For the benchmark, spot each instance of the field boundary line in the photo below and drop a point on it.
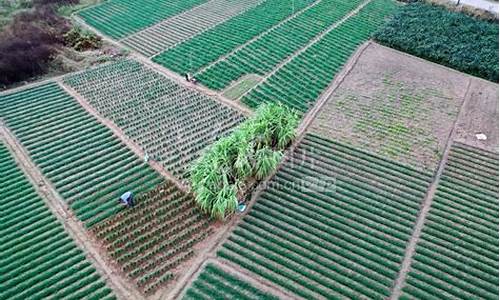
(60, 210)
(200, 88)
(138, 151)
(426, 206)
(311, 43)
(266, 32)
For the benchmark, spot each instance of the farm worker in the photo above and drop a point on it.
(127, 199)
(188, 77)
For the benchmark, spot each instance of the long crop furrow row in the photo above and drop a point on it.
(171, 123)
(79, 155)
(300, 82)
(150, 241)
(39, 259)
(170, 32)
(207, 47)
(120, 18)
(333, 222)
(457, 254)
(265, 53)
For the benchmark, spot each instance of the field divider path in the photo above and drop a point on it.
(210, 254)
(122, 137)
(61, 211)
(291, 17)
(311, 43)
(426, 205)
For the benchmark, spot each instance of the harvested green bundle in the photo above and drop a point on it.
(250, 153)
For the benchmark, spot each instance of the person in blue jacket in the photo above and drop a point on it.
(127, 199)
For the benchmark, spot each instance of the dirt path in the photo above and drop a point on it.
(72, 226)
(426, 205)
(309, 45)
(293, 16)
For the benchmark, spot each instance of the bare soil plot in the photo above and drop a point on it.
(480, 116)
(395, 105)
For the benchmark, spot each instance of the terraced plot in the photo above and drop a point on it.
(172, 123)
(179, 28)
(87, 165)
(205, 48)
(264, 54)
(398, 106)
(214, 283)
(457, 254)
(333, 223)
(39, 259)
(301, 81)
(119, 18)
(151, 240)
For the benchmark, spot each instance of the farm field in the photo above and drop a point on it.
(119, 18)
(267, 52)
(457, 253)
(301, 81)
(207, 47)
(453, 39)
(179, 28)
(149, 242)
(87, 165)
(39, 259)
(397, 106)
(172, 123)
(215, 283)
(317, 238)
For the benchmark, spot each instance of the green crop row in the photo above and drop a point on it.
(119, 18)
(264, 54)
(301, 81)
(457, 254)
(76, 153)
(39, 259)
(207, 47)
(214, 283)
(333, 222)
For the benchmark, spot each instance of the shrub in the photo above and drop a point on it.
(28, 43)
(453, 39)
(251, 152)
(82, 40)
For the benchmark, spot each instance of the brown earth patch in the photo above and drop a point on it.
(395, 105)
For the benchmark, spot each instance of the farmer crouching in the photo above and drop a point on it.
(127, 199)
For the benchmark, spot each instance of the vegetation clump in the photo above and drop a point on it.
(450, 38)
(250, 153)
(82, 40)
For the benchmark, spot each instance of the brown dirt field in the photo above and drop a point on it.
(480, 115)
(399, 106)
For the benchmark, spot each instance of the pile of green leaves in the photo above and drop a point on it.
(251, 152)
(453, 39)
